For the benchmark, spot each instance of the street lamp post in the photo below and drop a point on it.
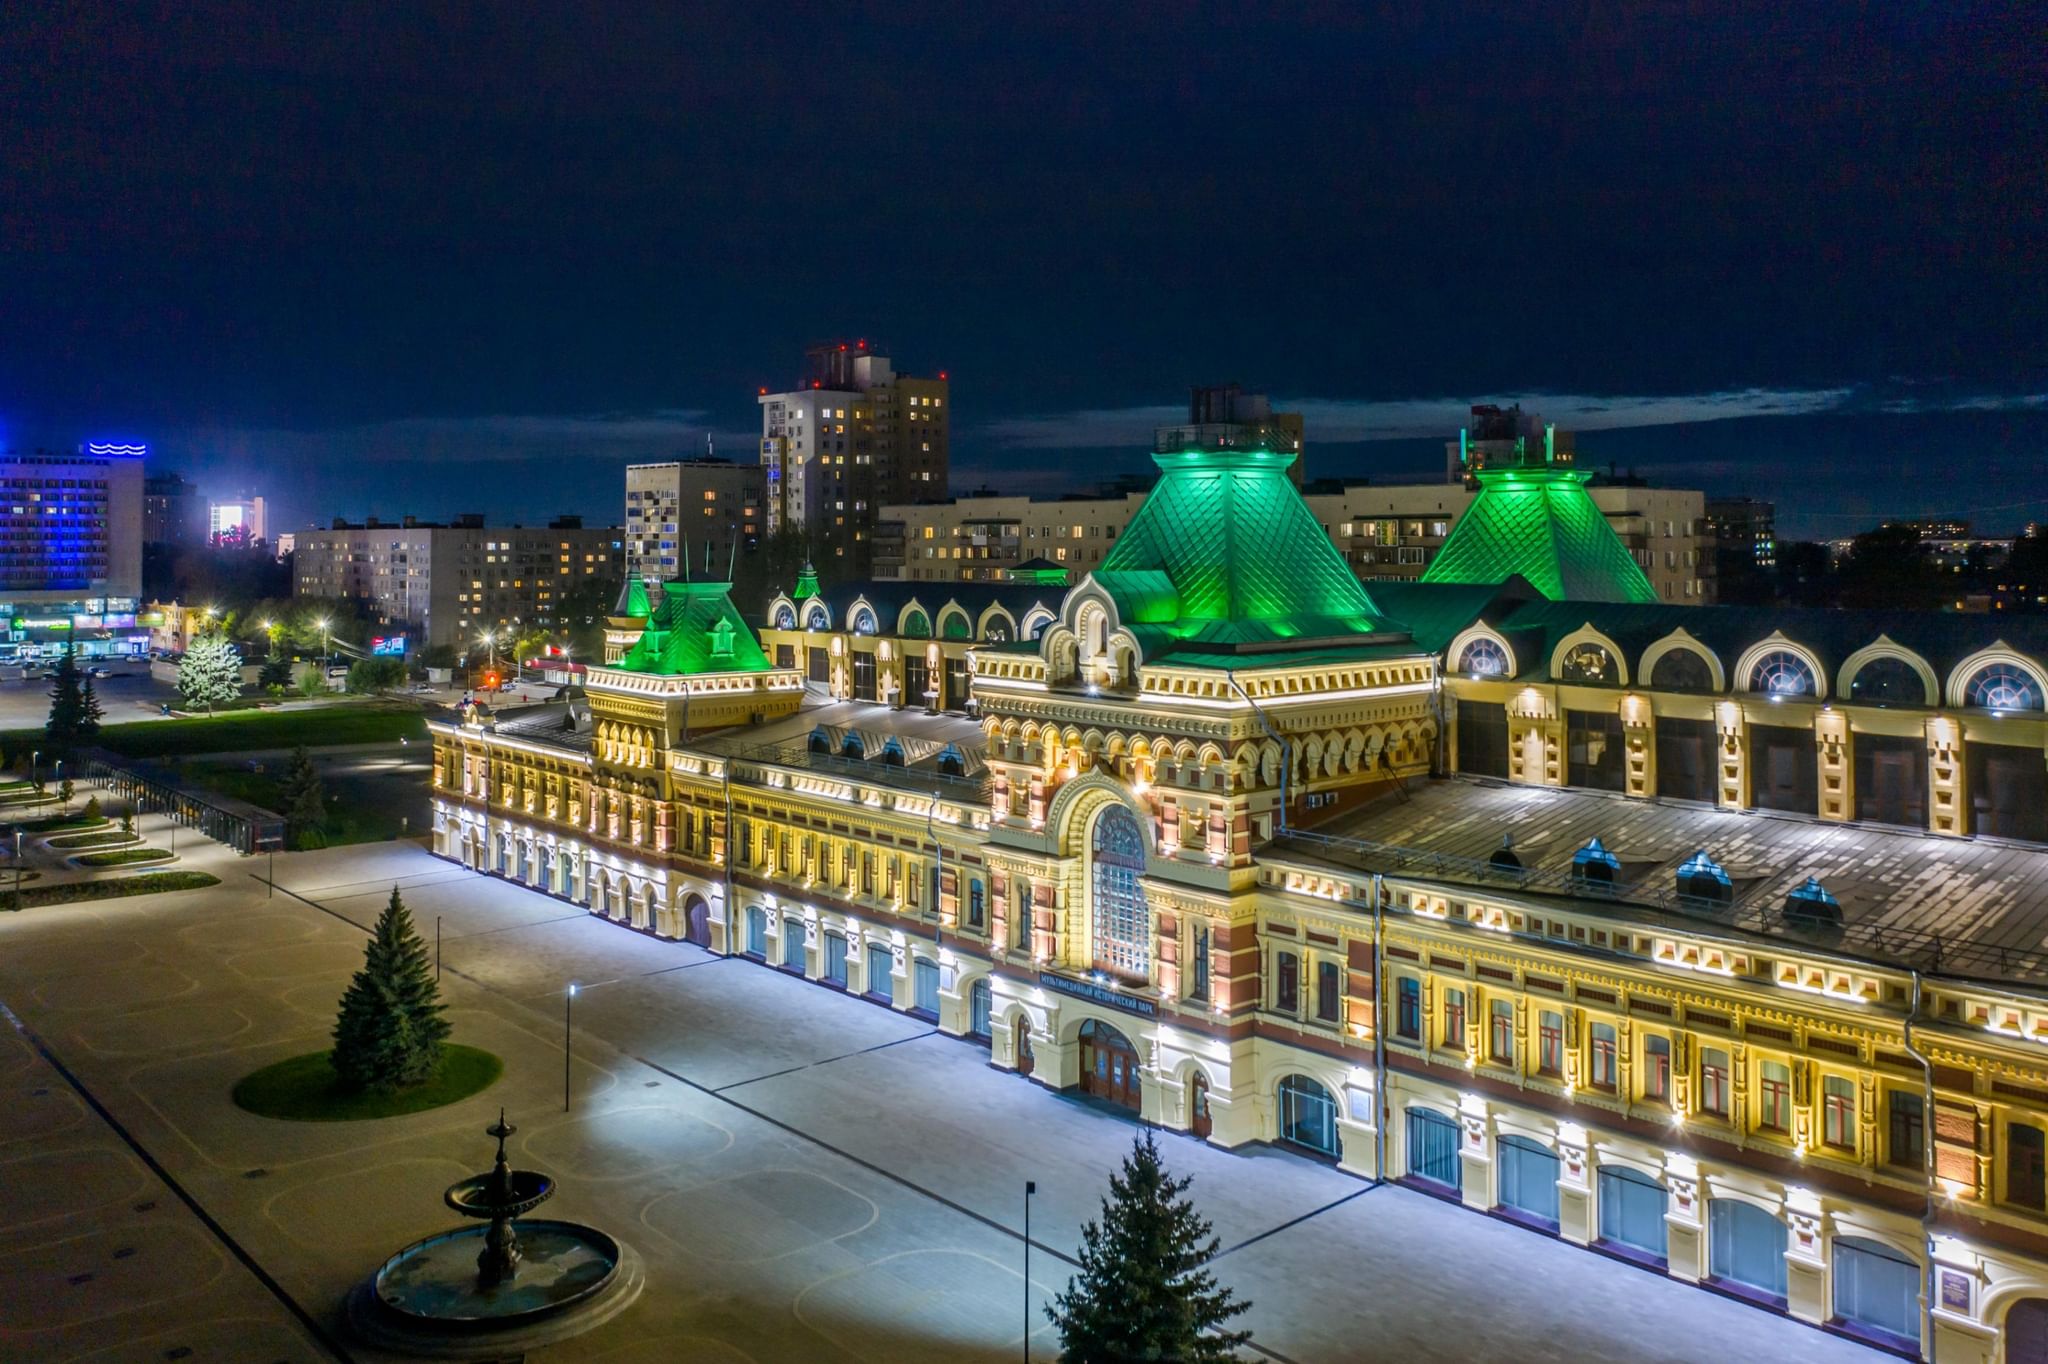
(1030, 1188)
(17, 869)
(568, 1002)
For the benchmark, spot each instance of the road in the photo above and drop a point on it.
(125, 697)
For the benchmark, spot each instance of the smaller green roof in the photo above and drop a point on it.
(806, 584)
(695, 629)
(1539, 522)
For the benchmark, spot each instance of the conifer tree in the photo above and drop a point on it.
(1142, 1293)
(276, 675)
(91, 712)
(211, 672)
(65, 727)
(305, 802)
(390, 1029)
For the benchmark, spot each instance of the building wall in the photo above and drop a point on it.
(1389, 532)
(688, 508)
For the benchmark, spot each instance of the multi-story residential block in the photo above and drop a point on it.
(238, 521)
(71, 553)
(1225, 417)
(445, 584)
(689, 513)
(173, 511)
(852, 435)
(1745, 529)
(1709, 937)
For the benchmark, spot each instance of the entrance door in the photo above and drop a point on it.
(1748, 1248)
(2026, 1332)
(1026, 1061)
(1433, 1149)
(1632, 1211)
(697, 921)
(757, 932)
(1198, 1105)
(1308, 1116)
(1528, 1180)
(1109, 1065)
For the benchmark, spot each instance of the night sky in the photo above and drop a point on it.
(371, 262)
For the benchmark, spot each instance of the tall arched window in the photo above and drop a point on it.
(2003, 687)
(1782, 673)
(785, 617)
(1121, 921)
(864, 622)
(1590, 663)
(917, 626)
(817, 616)
(1483, 658)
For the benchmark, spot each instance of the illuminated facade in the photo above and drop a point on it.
(1415, 879)
(71, 553)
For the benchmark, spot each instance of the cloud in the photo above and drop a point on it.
(660, 434)
(1346, 420)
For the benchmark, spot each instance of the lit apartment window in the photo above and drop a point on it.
(1550, 1044)
(1774, 1105)
(1838, 1112)
(1503, 1034)
(1603, 1056)
(1657, 1069)
(1454, 1019)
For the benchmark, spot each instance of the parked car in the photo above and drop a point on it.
(99, 672)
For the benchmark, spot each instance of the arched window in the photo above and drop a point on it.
(951, 764)
(852, 747)
(917, 625)
(819, 743)
(1591, 663)
(1782, 673)
(977, 1009)
(1888, 681)
(1747, 1247)
(1308, 1116)
(953, 625)
(863, 621)
(817, 616)
(1036, 626)
(1484, 658)
(1702, 882)
(1681, 670)
(892, 754)
(1121, 920)
(785, 617)
(2002, 686)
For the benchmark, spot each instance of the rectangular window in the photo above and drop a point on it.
(2024, 1184)
(1657, 1069)
(1714, 1082)
(1198, 976)
(1774, 1098)
(1550, 1044)
(1838, 1112)
(1454, 1019)
(1329, 991)
(1908, 1129)
(1020, 922)
(1286, 982)
(1603, 1075)
(1408, 1009)
(977, 905)
(835, 959)
(1503, 1042)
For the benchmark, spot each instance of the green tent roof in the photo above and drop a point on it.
(1225, 552)
(693, 629)
(1541, 523)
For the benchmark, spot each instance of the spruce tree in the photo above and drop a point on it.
(65, 726)
(390, 1029)
(91, 712)
(211, 672)
(276, 675)
(1142, 1293)
(305, 802)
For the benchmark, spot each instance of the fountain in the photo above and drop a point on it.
(493, 1290)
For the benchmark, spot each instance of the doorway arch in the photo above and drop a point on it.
(1109, 1066)
(2026, 1332)
(1308, 1116)
(697, 920)
(1027, 1060)
(1199, 1121)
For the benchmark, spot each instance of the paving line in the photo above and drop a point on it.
(809, 1065)
(277, 1290)
(1295, 1221)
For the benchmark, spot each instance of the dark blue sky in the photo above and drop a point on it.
(380, 262)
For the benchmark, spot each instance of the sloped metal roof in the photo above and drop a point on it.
(1542, 525)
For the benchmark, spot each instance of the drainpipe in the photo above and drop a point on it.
(939, 880)
(1286, 748)
(1927, 1173)
(1382, 1110)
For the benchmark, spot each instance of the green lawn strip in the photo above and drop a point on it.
(305, 1089)
(246, 731)
(53, 824)
(121, 857)
(70, 892)
(110, 838)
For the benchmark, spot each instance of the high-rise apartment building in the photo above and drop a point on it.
(238, 521)
(682, 513)
(851, 436)
(445, 584)
(71, 552)
(1225, 417)
(173, 511)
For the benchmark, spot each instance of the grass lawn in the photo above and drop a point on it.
(148, 883)
(110, 838)
(354, 814)
(122, 857)
(360, 722)
(304, 1089)
(51, 824)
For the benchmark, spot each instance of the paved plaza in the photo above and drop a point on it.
(809, 1177)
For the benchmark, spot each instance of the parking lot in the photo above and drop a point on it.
(131, 694)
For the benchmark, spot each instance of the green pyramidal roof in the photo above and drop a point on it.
(1541, 523)
(1224, 551)
(695, 628)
